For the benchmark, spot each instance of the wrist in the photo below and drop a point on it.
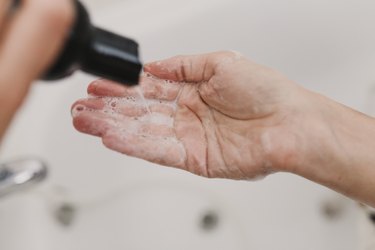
(341, 152)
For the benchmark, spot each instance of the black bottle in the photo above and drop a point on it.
(97, 52)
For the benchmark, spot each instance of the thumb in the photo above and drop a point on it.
(193, 68)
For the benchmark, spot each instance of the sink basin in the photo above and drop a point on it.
(97, 199)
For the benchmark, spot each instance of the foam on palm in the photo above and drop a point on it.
(136, 124)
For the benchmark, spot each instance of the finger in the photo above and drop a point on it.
(96, 123)
(126, 107)
(92, 123)
(160, 89)
(150, 87)
(34, 37)
(169, 151)
(102, 87)
(195, 68)
(90, 103)
(141, 110)
(108, 105)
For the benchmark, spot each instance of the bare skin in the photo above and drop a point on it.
(25, 53)
(220, 115)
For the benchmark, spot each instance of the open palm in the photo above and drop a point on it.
(215, 115)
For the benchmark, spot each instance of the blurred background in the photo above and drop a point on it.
(98, 199)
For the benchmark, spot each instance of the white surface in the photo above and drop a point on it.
(124, 203)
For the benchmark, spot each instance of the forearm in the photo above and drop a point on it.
(346, 161)
(10, 101)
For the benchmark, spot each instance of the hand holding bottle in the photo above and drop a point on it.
(31, 38)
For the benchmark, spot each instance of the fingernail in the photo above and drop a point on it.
(76, 110)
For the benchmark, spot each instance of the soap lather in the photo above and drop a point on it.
(96, 51)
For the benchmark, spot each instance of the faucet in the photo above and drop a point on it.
(21, 175)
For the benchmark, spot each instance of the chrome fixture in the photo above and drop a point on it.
(21, 175)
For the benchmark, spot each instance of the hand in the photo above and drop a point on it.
(30, 39)
(220, 115)
(216, 115)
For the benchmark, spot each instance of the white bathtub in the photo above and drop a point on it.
(125, 203)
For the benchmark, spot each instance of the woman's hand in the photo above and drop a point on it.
(30, 38)
(216, 115)
(221, 115)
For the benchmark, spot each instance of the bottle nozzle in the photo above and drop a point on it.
(98, 52)
(113, 57)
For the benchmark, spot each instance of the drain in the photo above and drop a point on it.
(209, 221)
(65, 214)
(372, 217)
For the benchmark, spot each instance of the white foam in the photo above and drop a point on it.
(157, 119)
